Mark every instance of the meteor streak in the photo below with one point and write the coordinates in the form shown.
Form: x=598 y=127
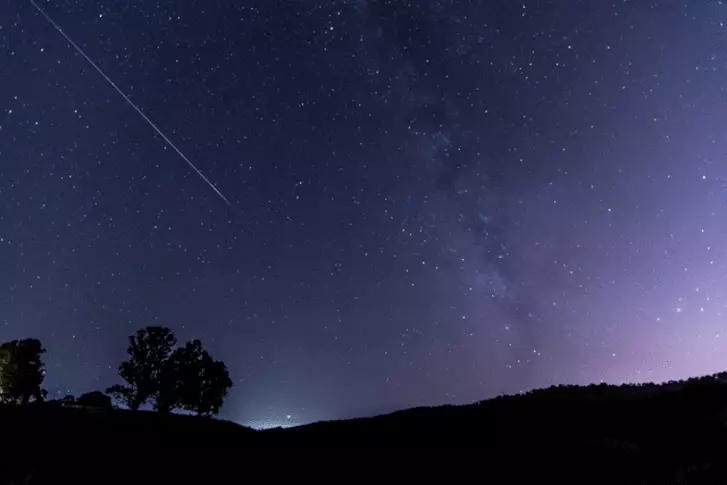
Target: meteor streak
x=138 y=110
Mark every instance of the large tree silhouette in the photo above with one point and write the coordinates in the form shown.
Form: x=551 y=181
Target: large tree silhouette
x=149 y=350
x=193 y=380
x=21 y=371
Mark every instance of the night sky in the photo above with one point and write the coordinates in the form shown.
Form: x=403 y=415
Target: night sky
x=431 y=201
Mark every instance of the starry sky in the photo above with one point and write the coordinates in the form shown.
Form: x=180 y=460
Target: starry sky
x=431 y=201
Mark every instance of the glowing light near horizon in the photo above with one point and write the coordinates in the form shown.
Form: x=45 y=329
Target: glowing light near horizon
x=270 y=424
x=287 y=421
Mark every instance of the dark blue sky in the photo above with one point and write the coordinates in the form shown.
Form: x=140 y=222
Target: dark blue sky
x=431 y=202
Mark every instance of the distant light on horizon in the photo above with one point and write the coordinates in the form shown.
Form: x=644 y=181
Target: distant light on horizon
x=270 y=424
x=287 y=421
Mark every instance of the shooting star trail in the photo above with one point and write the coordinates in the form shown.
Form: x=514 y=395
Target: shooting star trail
x=138 y=110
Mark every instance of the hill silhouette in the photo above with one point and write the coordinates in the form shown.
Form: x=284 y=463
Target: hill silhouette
x=668 y=433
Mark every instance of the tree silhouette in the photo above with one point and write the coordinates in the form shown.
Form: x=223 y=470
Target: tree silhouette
x=215 y=384
x=179 y=376
x=21 y=371
x=185 y=378
x=193 y=380
x=149 y=349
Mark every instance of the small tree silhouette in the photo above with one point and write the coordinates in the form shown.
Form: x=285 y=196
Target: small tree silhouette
x=149 y=349
x=21 y=371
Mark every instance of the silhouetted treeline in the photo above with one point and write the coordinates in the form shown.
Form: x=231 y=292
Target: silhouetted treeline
x=157 y=371
x=635 y=433
x=649 y=433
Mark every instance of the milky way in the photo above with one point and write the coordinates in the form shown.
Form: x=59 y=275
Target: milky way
x=431 y=202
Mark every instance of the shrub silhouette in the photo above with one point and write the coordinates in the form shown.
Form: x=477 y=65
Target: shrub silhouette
x=95 y=399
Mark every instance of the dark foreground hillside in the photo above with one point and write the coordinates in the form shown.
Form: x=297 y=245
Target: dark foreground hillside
x=673 y=433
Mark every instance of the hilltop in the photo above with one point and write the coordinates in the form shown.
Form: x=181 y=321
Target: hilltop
x=667 y=433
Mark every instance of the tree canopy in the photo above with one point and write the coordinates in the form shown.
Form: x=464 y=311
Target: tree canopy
x=193 y=381
x=21 y=371
x=185 y=377
x=149 y=349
